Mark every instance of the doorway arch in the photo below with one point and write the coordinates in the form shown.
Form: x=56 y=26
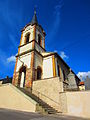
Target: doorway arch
x=22 y=76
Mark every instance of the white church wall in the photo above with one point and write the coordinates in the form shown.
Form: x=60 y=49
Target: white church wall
x=37 y=32
x=26 y=47
x=38 y=61
x=23 y=38
x=38 y=48
x=26 y=59
x=43 y=44
x=47 y=67
x=31 y=34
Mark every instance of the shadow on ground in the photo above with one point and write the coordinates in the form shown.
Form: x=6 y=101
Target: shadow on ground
x=7 y=114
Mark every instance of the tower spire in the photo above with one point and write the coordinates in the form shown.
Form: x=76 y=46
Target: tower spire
x=35 y=10
x=34 y=19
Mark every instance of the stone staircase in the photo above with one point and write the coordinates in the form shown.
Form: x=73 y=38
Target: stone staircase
x=47 y=108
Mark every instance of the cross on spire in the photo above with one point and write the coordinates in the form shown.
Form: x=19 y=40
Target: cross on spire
x=35 y=9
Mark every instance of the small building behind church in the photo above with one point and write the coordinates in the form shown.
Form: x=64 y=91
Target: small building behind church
x=87 y=83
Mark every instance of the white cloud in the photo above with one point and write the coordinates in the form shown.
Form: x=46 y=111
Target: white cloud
x=83 y=75
x=63 y=55
x=11 y=59
x=55 y=24
x=58 y=7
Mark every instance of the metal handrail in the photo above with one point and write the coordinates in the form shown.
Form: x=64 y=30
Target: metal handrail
x=39 y=93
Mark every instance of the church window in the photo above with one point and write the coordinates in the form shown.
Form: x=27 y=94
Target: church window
x=39 y=39
x=39 y=73
x=27 y=38
x=58 y=70
x=64 y=75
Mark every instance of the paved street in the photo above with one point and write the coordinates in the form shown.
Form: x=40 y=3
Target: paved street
x=17 y=115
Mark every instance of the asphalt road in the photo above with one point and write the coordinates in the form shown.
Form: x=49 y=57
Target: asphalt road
x=17 y=115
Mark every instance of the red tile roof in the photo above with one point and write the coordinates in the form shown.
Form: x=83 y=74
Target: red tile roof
x=81 y=83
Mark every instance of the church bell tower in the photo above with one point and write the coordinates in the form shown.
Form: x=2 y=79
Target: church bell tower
x=29 y=59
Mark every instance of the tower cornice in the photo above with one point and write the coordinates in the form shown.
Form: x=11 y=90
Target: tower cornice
x=28 y=51
x=30 y=42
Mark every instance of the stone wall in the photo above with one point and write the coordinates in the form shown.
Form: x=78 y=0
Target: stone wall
x=28 y=82
x=15 y=78
x=76 y=103
x=48 y=90
x=12 y=98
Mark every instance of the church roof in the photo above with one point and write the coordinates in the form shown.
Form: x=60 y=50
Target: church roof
x=47 y=53
x=34 y=21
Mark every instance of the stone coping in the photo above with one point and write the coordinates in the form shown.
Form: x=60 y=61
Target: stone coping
x=75 y=91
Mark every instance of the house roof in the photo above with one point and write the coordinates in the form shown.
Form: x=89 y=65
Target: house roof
x=81 y=83
x=6 y=80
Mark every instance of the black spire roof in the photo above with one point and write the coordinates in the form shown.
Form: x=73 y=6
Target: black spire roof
x=34 y=19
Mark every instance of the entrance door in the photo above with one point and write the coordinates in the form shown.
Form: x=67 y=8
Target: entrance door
x=22 y=76
x=22 y=80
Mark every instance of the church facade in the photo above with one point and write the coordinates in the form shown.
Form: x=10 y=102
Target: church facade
x=33 y=62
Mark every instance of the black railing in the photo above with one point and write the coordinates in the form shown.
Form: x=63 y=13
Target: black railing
x=41 y=95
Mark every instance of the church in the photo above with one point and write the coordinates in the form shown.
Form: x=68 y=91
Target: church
x=42 y=81
x=34 y=63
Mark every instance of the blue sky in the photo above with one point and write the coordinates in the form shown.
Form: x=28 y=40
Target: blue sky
x=66 y=23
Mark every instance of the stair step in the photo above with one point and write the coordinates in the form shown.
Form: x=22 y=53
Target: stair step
x=50 y=109
x=51 y=112
x=47 y=107
x=44 y=105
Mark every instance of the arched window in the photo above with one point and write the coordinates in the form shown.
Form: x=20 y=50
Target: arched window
x=64 y=75
x=39 y=73
x=27 y=38
x=58 y=70
x=39 y=39
x=22 y=76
